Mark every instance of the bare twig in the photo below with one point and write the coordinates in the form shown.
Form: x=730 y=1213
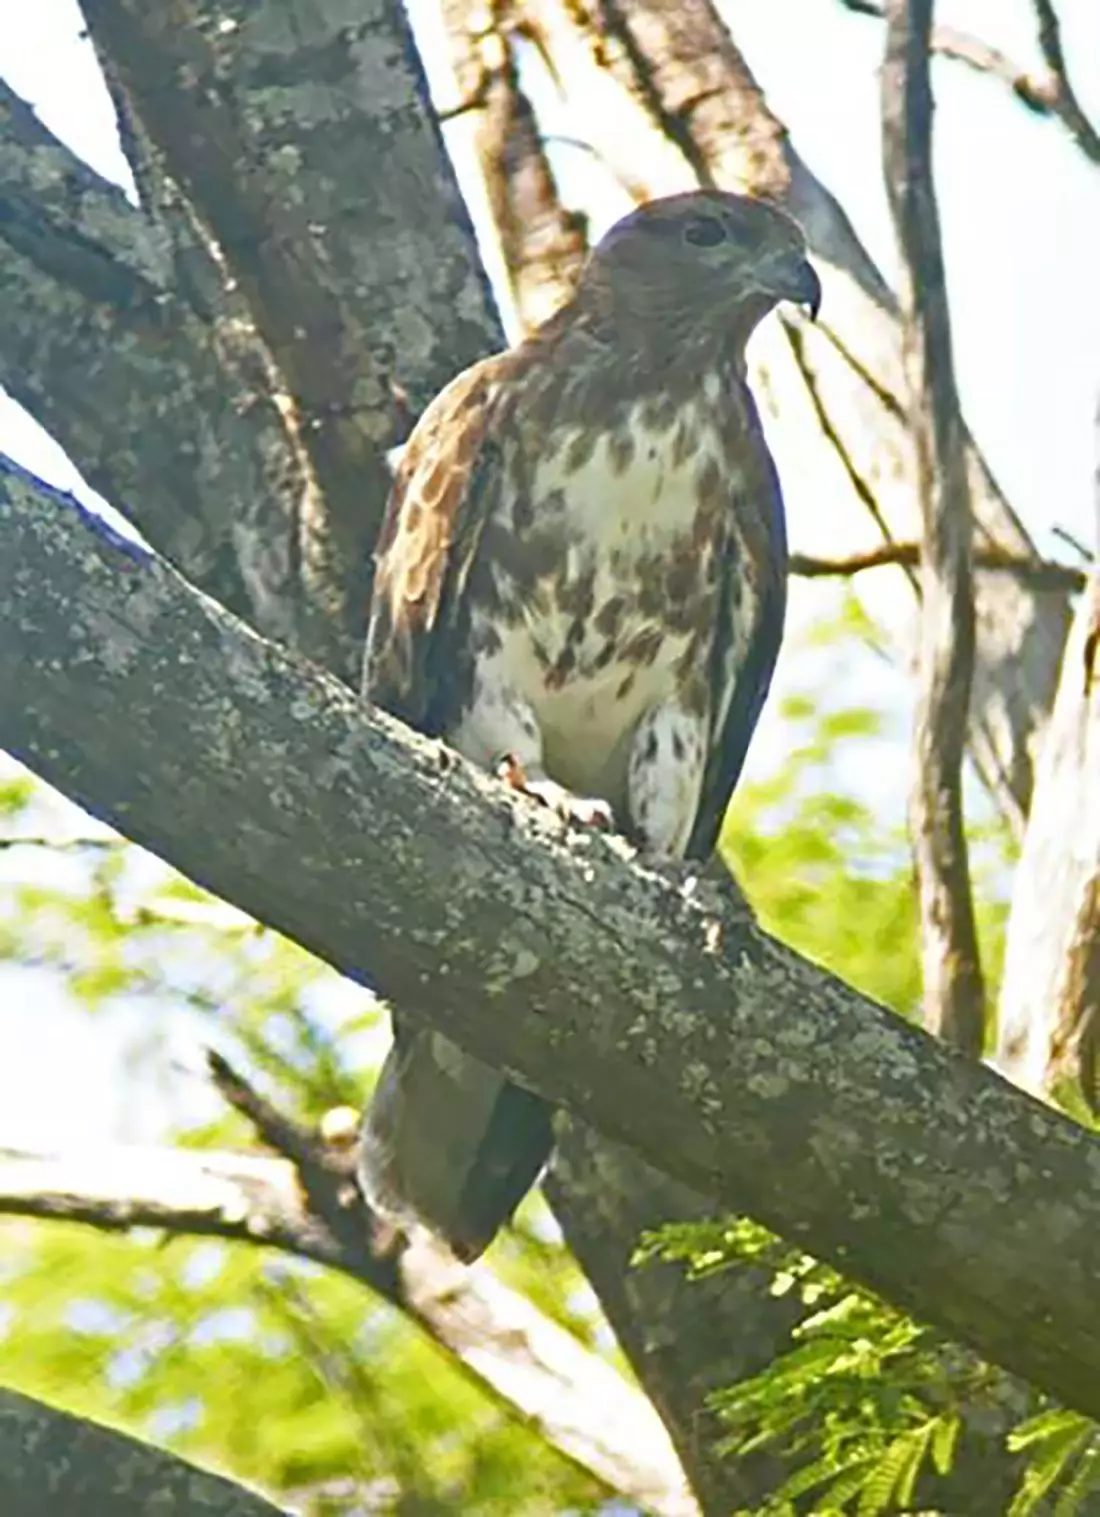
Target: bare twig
x=305 y=1202
x=954 y=1000
x=62 y=845
x=1041 y=574
x=1046 y=94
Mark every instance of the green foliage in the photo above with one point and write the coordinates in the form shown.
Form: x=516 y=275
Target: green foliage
x=827 y=876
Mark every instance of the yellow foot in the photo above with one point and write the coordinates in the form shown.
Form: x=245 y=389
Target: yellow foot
x=585 y=811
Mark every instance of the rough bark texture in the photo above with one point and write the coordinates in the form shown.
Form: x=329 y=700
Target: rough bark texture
x=576 y=1399
x=1050 y=990
x=51 y=1463
x=678 y=61
x=954 y=995
x=650 y=1007
x=357 y=273
x=124 y=345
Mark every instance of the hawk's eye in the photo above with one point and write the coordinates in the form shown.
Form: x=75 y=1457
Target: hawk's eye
x=706 y=233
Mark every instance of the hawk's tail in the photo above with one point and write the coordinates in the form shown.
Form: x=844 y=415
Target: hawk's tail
x=449 y=1142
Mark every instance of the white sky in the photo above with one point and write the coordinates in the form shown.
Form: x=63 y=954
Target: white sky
x=1021 y=214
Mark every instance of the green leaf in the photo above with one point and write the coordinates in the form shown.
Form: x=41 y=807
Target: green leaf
x=1047 y=1465
x=944 y=1439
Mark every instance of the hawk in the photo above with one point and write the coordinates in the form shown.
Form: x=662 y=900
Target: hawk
x=580 y=585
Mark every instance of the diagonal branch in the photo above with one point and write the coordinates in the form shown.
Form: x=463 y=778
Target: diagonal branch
x=309 y=1206
x=954 y=996
x=51 y=1461
x=1046 y=94
x=124 y=346
x=649 y=1006
x=1069 y=108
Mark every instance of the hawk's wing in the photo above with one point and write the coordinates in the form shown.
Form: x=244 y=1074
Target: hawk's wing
x=446 y=1139
x=743 y=658
x=445 y=488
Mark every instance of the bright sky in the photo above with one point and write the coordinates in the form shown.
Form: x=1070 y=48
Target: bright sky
x=1021 y=214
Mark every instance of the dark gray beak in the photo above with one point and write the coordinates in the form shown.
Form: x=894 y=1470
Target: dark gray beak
x=793 y=277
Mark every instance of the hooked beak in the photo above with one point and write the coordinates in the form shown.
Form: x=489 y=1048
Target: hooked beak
x=793 y=277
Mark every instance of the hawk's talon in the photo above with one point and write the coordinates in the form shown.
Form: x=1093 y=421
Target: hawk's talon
x=583 y=811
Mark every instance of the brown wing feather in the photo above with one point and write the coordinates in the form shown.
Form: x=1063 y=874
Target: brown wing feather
x=443 y=492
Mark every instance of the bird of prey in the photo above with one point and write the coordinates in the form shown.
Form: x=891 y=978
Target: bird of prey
x=580 y=585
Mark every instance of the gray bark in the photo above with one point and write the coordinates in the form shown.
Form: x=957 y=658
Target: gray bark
x=123 y=344
x=302 y=136
x=51 y=1462
x=651 y=1007
x=954 y=991
x=687 y=1340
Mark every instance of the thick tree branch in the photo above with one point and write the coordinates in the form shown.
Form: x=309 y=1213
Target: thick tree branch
x=1046 y=94
x=954 y=995
x=653 y=1009
x=574 y=1398
x=52 y=1462
x=339 y=267
x=124 y=346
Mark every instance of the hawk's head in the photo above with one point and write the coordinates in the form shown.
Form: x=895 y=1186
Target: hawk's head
x=701 y=258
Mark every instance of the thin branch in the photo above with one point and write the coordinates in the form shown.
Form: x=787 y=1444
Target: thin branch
x=646 y=1002
x=954 y=995
x=1041 y=574
x=543 y=244
x=1046 y=94
x=1069 y=108
x=308 y=1205
x=61 y=845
